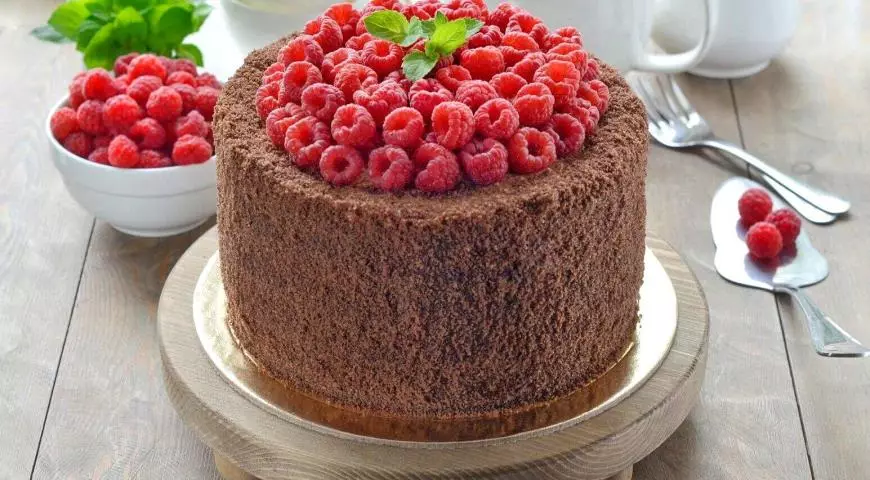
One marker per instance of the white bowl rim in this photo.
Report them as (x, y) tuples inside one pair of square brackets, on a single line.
[(99, 166)]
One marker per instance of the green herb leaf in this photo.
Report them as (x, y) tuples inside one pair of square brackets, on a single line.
[(131, 31), (137, 4), (99, 6), (67, 17), (102, 49), (201, 11), (416, 31), (472, 26), (388, 24), (168, 24), (47, 33), (417, 64), (448, 37), (191, 51), (87, 30), (440, 18), (428, 27)]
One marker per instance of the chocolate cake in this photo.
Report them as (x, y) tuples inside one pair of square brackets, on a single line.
[(410, 305)]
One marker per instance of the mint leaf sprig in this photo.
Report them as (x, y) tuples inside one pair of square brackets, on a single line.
[(103, 30), (442, 37)]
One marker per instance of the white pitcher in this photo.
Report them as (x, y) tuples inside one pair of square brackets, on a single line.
[(618, 31), (749, 35)]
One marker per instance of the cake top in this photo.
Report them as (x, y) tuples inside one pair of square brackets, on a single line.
[(429, 96)]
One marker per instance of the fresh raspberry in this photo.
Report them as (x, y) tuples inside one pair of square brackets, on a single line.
[(482, 63), (123, 152), (122, 63), (100, 155), (589, 118), (569, 52), (591, 70), (305, 141), (182, 65), (188, 96), (447, 61), (335, 60), (562, 78), (754, 206), (352, 77), (475, 93), (63, 122), (345, 16), (529, 24), (147, 64), (415, 10), (191, 124), (439, 169), (388, 4), (303, 48), (530, 64), (122, 83), (382, 56), (353, 125), (164, 104), (266, 99), (507, 84), (76, 92), (534, 103), (516, 45), (153, 159), (426, 94), (141, 88), (399, 77), (404, 127), (453, 123), (102, 141), (208, 80), (531, 150), (341, 165), (99, 85), (322, 100), (596, 93), (487, 36), (90, 117), (274, 73), (452, 76), (297, 76), (326, 32), (502, 15), (466, 9), (788, 224), (428, 151), (764, 240), (359, 41), (562, 36), (78, 143), (190, 149), (497, 118), (120, 112), (567, 132), (148, 133), (381, 99), (484, 161), (390, 168), (206, 98), (280, 119), (181, 77)]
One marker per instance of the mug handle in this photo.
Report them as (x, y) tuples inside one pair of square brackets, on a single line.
[(680, 62)]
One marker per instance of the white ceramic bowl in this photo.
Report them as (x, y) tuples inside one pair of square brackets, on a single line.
[(156, 202)]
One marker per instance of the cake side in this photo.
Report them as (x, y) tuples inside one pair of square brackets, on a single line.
[(478, 300)]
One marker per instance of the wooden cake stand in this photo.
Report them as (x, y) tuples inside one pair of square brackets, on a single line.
[(250, 442)]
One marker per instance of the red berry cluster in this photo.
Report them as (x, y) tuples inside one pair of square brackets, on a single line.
[(154, 112), (769, 231), (515, 98)]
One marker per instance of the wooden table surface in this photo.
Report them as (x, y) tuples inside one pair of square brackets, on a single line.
[(81, 392)]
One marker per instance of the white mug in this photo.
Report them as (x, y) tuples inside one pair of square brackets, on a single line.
[(750, 33), (617, 31)]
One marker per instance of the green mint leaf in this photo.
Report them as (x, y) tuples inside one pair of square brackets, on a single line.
[(190, 51), (102, 49), (137, 4), (131, 31), (87, 30), (417, 64), (448, 37), (168, 24), (416, 31), (67, 17), (472, 26), (428, 27), (388, 24), (99, 6), (201, 11), (47, 33), (440, 18)]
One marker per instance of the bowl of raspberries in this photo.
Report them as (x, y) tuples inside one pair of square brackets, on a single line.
[(135, 147), (428, 96)]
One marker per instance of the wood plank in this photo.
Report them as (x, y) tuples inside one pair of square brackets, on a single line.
[(110, 416), (43, 233), (807, 114), (746, 424)]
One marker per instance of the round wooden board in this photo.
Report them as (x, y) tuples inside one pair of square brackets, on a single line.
[(249, 442)]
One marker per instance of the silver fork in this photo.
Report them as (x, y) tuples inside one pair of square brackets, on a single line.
[(675, 123)]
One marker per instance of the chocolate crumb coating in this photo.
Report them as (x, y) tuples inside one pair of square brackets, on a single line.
[(478, 300)]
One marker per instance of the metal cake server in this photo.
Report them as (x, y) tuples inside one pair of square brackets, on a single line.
[(800, 268)]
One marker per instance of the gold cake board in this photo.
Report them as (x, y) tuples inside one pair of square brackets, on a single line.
[(250, 442)]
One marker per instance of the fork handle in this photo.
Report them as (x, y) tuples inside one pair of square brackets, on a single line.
[(828, 338), (822, 200), (806, 209)]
